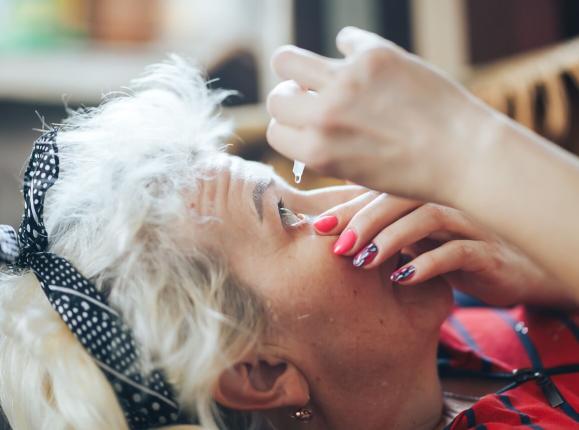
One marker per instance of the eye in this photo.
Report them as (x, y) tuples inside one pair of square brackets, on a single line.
[(287, 216)]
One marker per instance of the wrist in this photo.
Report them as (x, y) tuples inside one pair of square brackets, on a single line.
[(475, 137)]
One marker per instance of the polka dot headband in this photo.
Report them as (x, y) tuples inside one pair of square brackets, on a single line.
[(146, 400)]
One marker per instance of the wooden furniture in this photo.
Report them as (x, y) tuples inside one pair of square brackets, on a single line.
[(537, 89)]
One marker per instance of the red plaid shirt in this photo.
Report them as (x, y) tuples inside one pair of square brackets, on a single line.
[(492, 343)]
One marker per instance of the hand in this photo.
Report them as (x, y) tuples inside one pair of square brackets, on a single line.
[(441, 242), (380, 117)]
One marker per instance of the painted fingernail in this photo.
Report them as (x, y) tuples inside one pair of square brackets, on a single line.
[(365, 256), (403, 274), (345, 242), (326, 223)]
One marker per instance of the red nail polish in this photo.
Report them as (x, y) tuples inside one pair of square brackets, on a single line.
[(345, 242), (326, 223), (403, 274)]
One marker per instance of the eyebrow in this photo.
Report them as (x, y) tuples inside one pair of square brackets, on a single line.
[(258, 192)]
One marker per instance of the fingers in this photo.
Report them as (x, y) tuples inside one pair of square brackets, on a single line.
[(465, 255), (419, 224), (353, 40), (371, 220), (311, 71), (335, 219), (291, 105), (329, 197), (360, 219)]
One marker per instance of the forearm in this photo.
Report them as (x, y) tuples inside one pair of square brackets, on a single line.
[(526, 190)]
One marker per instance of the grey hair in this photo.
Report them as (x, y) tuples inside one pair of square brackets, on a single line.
[(117, 213)]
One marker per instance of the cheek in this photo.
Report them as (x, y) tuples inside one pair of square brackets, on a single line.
[(339, 317), (336, 284), (314, 288)]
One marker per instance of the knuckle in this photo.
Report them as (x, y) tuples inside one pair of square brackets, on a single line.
[(347, 87), (465, 251), (391, 239), (428, 260), (496, 262), (437, 214), (375, 60), (327, 118), (350, 84)]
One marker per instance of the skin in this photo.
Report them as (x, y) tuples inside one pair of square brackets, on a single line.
[(356, 349), (383, 118), (334, 330)]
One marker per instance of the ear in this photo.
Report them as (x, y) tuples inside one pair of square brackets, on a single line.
[(260, 383)]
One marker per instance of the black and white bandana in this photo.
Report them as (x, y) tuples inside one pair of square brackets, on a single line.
[(147, 401)]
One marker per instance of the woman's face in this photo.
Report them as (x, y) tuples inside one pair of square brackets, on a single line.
[(345, 328)]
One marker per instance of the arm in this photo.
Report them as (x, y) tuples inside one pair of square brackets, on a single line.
[(384, 119), (525, 189)]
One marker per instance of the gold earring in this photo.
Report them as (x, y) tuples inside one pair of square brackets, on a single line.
[(303, 415)]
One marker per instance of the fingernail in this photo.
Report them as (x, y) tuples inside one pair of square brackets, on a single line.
[(345, 242), (365, 256), (403, 274), (326, 223)]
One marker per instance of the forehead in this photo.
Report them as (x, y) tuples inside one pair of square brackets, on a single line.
[(226, 203), (233, 168), (226, 183)]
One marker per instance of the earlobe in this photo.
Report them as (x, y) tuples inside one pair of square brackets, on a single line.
[(260, 384)]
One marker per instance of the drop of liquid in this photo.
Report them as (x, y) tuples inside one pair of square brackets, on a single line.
[(298, 179)]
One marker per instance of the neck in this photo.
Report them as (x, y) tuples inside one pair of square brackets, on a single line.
[(400, 393)]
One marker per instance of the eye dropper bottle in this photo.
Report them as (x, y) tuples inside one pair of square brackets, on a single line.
[(298, 171)]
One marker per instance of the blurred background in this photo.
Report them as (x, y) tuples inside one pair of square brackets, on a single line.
[(520, 56)]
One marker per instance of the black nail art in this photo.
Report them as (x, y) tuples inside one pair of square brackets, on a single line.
[(365, 256), (402, 274)]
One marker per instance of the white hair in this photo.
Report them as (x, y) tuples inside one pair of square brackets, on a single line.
[(117, 213)]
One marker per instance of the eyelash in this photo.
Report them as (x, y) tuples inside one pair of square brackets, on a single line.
[(285, 213)]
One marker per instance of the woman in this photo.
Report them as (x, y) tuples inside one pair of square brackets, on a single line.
[(222, 282)]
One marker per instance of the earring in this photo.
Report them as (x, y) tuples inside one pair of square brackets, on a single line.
[(303, 415)]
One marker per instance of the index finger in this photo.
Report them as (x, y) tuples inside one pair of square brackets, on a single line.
[(335, 219), (329, 197), (311, 71)]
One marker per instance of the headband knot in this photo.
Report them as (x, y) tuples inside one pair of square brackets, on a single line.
[(147, 400), (41, 173), (9, 246)]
